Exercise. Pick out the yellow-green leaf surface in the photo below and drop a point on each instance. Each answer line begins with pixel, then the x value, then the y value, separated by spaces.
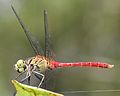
pixel 25 90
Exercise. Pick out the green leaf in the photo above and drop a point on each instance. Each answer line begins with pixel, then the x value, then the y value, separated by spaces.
pixel 25 90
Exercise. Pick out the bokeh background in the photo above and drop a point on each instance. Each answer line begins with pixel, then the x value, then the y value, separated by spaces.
pixel 81 30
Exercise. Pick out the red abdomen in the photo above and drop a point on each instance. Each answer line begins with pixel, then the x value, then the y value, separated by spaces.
pixel 55 64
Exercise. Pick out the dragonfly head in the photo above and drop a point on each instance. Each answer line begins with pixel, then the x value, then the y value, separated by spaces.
pixel 20 66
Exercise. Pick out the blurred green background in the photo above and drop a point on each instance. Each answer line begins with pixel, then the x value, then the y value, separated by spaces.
pixel 81 30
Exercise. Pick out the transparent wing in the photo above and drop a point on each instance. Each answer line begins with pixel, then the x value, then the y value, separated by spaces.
pixel 48 52
pixel 33 42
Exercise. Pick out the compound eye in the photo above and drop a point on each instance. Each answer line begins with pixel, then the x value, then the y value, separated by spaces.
pixel 20 66
pixel 20 63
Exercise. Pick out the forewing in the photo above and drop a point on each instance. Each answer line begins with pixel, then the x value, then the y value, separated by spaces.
pixel 33 42
pixel 48 51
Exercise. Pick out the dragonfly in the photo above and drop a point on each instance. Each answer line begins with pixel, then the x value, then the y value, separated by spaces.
pixel 42 61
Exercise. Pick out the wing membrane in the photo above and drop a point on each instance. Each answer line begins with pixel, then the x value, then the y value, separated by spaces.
pixel 47 52
pixel 33 42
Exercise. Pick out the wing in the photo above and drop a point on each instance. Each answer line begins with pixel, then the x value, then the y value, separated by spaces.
pixel 47 51
pixel 33 42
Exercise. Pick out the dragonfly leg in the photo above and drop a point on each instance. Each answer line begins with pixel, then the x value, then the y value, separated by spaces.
pixel 27 77
pixel 28 74
pixel 29 80
pixel 37 76
pixel 37 73
pixel 20 75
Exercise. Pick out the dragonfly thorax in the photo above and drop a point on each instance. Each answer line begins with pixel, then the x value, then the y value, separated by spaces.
pixel 39 62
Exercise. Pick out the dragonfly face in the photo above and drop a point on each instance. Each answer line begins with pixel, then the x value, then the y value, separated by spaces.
pixel 20 66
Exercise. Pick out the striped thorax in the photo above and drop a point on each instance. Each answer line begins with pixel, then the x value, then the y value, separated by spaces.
pixel 34 63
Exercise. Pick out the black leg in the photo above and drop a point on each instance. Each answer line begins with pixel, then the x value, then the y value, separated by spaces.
pixel 36 75
pixel 28 80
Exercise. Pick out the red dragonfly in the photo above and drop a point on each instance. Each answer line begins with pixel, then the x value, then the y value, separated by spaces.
pixel 41 62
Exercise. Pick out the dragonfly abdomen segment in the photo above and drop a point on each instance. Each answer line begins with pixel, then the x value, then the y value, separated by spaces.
pixel 82 64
